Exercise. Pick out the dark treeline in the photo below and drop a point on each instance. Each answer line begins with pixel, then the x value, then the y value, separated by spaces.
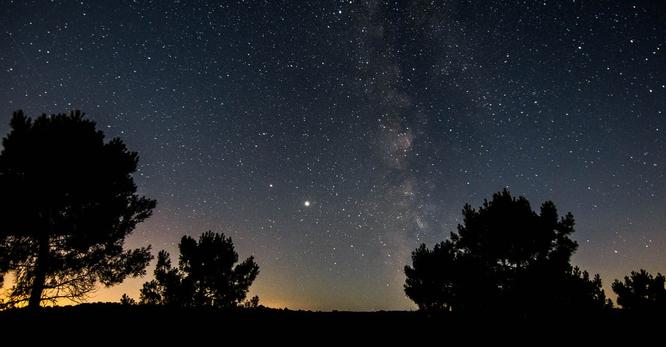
pixel 69 201
pixel 505 257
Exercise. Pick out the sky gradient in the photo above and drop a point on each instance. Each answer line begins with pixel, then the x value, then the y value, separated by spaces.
pixel 330 138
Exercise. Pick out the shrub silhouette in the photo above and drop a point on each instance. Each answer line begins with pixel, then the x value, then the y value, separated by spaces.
pixel 641 291
pixel 206 275
pixel 506 257
pixel 126 300
pixel 68 202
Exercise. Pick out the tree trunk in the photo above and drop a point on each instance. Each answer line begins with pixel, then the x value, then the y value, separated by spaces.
pixel 40 272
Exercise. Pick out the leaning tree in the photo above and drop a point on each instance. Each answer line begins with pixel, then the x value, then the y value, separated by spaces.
pixel 68 202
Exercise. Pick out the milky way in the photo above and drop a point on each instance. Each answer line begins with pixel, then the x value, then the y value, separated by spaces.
pixel 330 138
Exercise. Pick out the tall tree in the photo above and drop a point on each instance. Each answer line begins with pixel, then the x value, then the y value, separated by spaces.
pixel 504 256
pixel 68 202
pixel 207 275
pixel 641 291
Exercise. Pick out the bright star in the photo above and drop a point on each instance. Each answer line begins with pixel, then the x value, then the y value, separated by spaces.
pixel 306 203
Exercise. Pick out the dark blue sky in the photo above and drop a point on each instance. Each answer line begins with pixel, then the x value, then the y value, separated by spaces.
pixel 386 116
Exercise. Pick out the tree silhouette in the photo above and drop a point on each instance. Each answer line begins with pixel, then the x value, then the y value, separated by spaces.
pixel 169 287
pixel 206 275
pixel 126 300
pixel 253 302
pixel 68 202
pixel 504 256
pixel 641 291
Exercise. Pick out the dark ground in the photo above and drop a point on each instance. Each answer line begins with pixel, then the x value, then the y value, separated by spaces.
pixel 122 324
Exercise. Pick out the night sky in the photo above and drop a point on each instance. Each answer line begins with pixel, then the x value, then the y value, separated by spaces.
pixel 330 138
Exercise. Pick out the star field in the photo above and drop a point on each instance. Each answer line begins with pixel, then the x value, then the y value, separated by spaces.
pixel 330 138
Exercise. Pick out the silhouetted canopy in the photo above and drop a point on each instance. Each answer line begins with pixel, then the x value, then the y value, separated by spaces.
pixel 207 275
pixel 504 256
pixel 68 202
pixel 642 292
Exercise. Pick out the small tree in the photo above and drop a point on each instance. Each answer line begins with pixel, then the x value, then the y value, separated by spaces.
pixel 252 303
pixel 126 300
pixel 504 256
pixel 169 286
pixel 68 202
pixel 641 291
pixel 207 275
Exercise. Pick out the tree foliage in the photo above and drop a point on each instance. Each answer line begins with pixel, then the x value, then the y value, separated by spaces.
pixel 127 300
pixel 641 291
pixel 503 256
pixel 207 275
pixel 68 202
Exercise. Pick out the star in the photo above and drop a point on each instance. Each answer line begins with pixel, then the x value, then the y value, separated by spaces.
pixel 405 116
